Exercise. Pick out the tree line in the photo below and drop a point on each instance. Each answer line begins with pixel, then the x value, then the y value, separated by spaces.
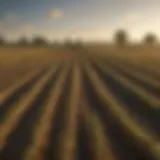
pixel 23 41
pixel 121 38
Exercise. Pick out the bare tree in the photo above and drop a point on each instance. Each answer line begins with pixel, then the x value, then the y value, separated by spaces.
pixel 121 37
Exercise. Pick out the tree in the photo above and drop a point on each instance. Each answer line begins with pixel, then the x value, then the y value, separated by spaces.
pixel 68 42
pixel 23 41
pixel 73 44
pixel 39 41
pixel 121 38
pixel 150 39
pixel 79 43
pixel 2 41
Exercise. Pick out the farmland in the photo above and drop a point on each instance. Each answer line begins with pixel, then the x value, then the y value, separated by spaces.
pixel 82 103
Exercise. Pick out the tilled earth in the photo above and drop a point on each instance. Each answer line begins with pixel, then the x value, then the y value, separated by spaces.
pixel 83 109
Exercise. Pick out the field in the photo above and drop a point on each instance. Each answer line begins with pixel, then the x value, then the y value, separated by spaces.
pixel 17 62
pixel 91 103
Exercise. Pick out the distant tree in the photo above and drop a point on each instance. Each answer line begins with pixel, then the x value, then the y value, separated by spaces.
pixel 121 38
pixel 73 44
pixel 23 41
pixel 55 43
pixel 39 41
pixel 78 44
pixel 150 39
pixel 68 42
pixel 2 41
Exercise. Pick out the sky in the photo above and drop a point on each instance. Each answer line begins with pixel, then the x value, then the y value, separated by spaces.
pixel 85 19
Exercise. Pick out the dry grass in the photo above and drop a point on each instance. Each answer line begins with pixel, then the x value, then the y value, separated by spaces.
pixel 139 54
pixel 17 62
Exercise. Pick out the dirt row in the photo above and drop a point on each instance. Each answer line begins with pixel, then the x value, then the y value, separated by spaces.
pixel 92 131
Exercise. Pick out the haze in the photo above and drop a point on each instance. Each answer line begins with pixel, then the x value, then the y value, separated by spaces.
pixel 86 19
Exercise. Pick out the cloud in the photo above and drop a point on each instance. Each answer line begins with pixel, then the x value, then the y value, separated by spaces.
pixel 55 14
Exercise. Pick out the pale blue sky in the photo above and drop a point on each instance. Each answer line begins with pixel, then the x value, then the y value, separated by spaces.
pixel 87 19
